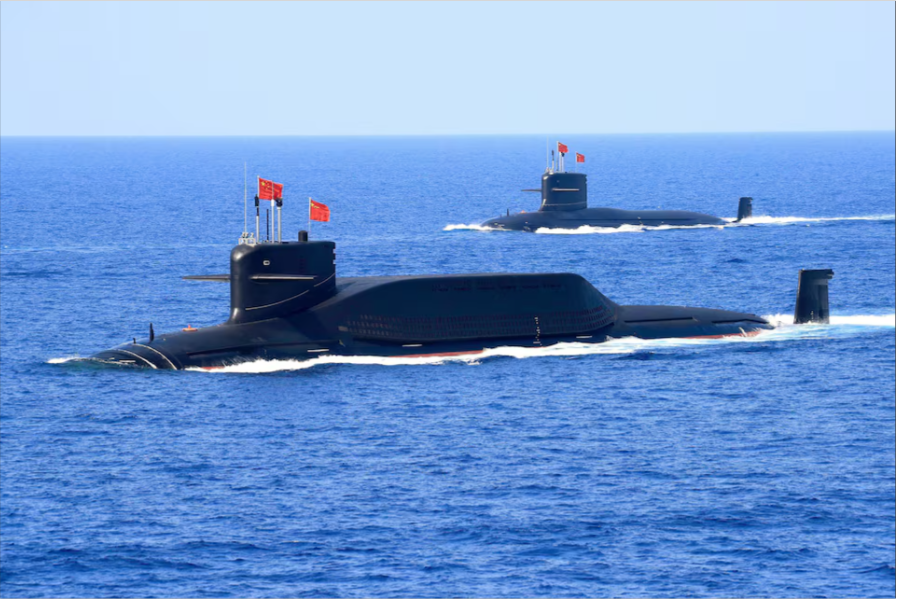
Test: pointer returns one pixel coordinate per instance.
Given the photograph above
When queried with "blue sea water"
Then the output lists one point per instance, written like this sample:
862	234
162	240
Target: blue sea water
719	468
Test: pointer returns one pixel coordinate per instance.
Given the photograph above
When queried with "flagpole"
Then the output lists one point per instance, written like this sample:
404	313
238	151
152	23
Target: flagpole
245	209
279	220
309	217
258	232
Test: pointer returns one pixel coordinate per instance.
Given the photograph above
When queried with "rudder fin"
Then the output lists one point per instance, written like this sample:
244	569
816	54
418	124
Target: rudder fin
745	208
812	296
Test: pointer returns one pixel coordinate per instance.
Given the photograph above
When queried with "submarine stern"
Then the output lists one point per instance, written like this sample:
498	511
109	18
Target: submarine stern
667	322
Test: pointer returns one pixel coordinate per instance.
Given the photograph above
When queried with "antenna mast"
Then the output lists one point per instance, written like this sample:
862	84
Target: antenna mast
258	234
279	202
244	199
247	237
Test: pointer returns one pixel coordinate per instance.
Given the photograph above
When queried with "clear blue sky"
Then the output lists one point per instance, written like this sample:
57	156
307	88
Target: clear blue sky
282	68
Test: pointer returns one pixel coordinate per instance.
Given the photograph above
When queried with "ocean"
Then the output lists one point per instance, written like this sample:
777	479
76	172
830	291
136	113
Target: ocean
761	467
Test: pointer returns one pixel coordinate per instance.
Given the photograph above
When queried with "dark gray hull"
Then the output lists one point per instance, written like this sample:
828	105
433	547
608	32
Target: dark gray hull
565	205
328	333
287	304
600	217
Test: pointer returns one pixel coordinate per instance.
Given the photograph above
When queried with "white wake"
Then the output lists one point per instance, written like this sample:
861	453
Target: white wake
784	330
748	222
63	360
587	230
479	228
787	220
861	320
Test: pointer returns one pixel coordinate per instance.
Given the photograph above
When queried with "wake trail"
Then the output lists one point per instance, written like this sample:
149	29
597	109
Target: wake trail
785	330
787	220
748	222
64	360
587	230
479	228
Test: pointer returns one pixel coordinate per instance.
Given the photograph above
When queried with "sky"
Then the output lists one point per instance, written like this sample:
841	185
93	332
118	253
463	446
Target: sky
429	68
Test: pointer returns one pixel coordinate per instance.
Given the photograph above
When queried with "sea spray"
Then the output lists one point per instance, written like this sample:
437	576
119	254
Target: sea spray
840	326
748	222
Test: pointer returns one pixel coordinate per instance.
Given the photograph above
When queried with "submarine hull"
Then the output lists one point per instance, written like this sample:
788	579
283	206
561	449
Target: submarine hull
601	217
287	304
432	316
166	356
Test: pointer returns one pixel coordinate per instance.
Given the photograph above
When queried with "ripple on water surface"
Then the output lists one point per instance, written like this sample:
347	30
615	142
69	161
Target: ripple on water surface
736	467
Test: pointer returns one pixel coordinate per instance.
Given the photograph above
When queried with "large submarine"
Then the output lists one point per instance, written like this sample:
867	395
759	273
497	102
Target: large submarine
286	303
565	206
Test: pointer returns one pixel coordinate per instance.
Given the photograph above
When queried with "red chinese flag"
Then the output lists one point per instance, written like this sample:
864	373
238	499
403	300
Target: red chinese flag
266	189
580	157
269	190
562	148
318	211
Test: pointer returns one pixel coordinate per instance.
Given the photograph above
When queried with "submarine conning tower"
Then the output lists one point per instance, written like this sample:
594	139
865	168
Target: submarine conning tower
268	280
563	191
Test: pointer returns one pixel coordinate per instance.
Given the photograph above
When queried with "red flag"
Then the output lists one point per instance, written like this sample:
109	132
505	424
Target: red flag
269	190
562	148
580	157
318	211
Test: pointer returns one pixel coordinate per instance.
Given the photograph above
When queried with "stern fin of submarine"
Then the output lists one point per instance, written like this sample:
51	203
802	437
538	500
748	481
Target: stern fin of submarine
812	296
745	209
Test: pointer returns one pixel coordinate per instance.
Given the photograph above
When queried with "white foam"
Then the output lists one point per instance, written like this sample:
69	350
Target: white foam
787	220
784	330
62	360
753	221
883	320
587	230
616	346
480	228
859	320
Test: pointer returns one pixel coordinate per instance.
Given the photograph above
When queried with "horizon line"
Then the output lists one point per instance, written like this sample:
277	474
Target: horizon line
234	135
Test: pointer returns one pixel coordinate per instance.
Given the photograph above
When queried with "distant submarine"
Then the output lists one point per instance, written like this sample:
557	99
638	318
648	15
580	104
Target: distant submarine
565	206
286	303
